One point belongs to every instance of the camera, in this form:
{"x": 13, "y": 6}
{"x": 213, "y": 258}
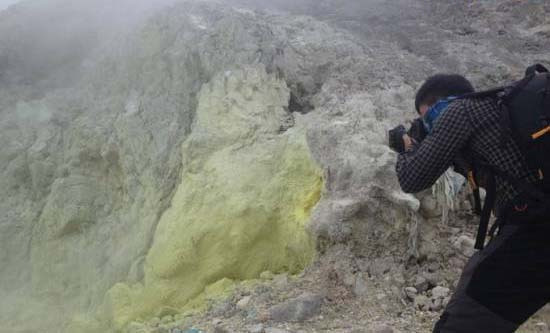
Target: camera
{"x": 417, "y": 132}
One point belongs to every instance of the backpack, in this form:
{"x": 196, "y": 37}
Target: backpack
{"x": 525, "y": 118}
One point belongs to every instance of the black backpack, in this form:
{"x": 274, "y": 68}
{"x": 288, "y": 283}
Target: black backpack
{"x": 525, "y": 117}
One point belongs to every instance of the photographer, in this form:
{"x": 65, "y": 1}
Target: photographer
{"x": 509, "y": 280}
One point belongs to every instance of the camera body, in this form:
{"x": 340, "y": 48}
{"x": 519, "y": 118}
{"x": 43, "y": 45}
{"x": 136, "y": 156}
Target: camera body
{"x": 417, "y": 132}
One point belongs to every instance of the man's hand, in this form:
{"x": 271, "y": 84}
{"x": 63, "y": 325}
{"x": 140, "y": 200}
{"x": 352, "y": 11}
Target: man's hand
{"x": 407, "y": 142}
{"x": 396, "y": 138}
{"x": 400, "y": 140}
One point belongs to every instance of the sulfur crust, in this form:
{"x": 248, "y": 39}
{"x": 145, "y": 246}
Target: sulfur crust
{"x": 240, "y": 209}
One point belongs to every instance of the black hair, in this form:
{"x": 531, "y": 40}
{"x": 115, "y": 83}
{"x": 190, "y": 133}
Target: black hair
{"x": 441, "y": 86}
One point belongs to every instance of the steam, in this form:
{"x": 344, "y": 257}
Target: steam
{"x": 44, "y": 43}
{"x": 5, "y": 3}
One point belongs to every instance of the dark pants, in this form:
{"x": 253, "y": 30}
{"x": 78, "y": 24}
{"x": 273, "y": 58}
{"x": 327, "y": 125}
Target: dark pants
{"x": 504, "y": 284}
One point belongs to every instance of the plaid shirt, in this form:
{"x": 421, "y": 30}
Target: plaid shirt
{"x": 469, "y": 129}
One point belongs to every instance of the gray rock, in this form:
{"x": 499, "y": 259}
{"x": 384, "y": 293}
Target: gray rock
{"x": 281, "y": 280}
{"x": 421, "y": 284}
{"x": 266, "y": 275}
{"x": 258, "y": 328}
{"x": 349, "y": 279}
{"x": 361, "y": 286}
{"x": 298, "y": 309}
{"x": 465, "y": 245}
{"x": 422, "y": 302}
{"x": 219, "y": 329}
{"x": 224, "y": 309}
{"x": 275, "y": 330}
{"x": 383, "y": 329}
{"x": 437, "y": 304}
{"x": 381, "y": 266}
{"x": 411, "y": 293}
{"x": 440, "y": 292}
{"x": 541, "y": 327}
{"x": 243, "y": 302}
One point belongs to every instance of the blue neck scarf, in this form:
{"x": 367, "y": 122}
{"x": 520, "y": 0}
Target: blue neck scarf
{"x": 435, "y": 111}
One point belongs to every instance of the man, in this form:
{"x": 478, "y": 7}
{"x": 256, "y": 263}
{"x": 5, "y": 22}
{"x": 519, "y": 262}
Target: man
{"x": 509, "y": 280}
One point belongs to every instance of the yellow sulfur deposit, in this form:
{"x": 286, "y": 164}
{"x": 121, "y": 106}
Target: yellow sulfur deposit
{"x": 246, "y": 193}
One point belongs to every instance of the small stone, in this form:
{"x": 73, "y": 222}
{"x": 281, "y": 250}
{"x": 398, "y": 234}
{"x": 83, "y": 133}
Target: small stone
{"x": 297, "y": 309}
{"x": 440, "y": 292}
{"x": 456, "y": 262}
{"x": 281, "y": 280}
{"x": 349, "y": 279}
{"x": 381, "y": 266}
{"x": 135, "y": 327}
{"x": 360, "y": 287}
{"x": 275, "y": 330}
{"x": 383, "y": 329}
{"x": 243, "y": 302}
{"x": 266, "y": 275}
{"x": 258, "y": 328}
{"x": 429, "y": 208}
{"x": 155, "y": 321}
{"x": 219, "y": 329}
{"x": 380, "y": 296}
{"x": 422, "y": 302}
{"x": 433, "y": 267}
{"x": 541, "y": 326}
{"x": 395, "y": 291}
{"x": 216, "y": 321}
{"x": 399, "y": 279}
{"x": 193, "y": 330}
{"x": 411, "y": 293}
{"x": 251, "y": 315}
{"x": 421, "y": 284}
{"x": 437, "y": 304}
{"x": 434, "y": 279}
{"x": 164, "y": 328}
{"x": 466, "y": 205}
{"x": 223, "y": 309}
{"x": 465, "y": 245}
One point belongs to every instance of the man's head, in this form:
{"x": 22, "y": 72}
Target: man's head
{"x": 440, "y": 86}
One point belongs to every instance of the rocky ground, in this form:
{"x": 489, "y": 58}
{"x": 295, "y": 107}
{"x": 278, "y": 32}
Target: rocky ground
{"x": 346, "y": 293}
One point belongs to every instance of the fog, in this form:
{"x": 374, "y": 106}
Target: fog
{"x": 45, "y": 43}
{"x": 6, "y": 3}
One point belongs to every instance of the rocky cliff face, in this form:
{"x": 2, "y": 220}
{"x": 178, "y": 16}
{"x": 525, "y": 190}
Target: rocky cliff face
{"x": 152, "y": 166}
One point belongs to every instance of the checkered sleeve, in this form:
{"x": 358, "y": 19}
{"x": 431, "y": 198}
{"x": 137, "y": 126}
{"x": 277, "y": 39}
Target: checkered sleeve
{"x": 420, "y": 167}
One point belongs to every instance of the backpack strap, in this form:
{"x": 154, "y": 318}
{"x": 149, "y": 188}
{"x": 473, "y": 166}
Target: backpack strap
{"x": 475, "y": 190}
{"x": 534, "y": 69}
{"x": 490, "y": 199}
{"x": 547, "y": 100}
{"x": 484, "y": 93}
